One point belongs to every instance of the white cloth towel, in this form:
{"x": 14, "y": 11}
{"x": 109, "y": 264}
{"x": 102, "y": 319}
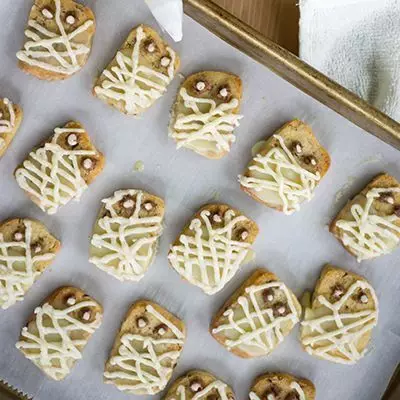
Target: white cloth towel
{"x": 356, "y": 43}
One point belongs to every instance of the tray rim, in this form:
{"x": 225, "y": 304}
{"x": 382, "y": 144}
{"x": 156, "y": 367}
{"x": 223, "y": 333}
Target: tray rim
{"x": 291, "y": 68}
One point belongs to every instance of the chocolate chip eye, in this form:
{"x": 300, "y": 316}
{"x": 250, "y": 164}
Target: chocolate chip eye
{"x": 196, "y": 385}
{"x": 268, "y": 295}
{"x": 72, "y": 140}
{"x": 142, "y": 322}
{"x": 297, "y": 148}
{"x": 280, "y": 309}
{"x": 70, "y": 300}
{"x": 338, "y": 291}
{"x": 18, "y": 236}
{"x": 202, "y": 86}
{"x": 148, "y": 206}
{"x": 85, "y": 314}
{"x": 310, "y": 160}
{"x": 88, "y": 164}
{"x": 244, "y": 234}
{"x": 165, "y": 61}
{"x": 387, "y": 197}
{"x": 217, "y": 218}
{"x": 161, "y": 329}
{"x": 36, "y": 248}
{"x": 150, "y": 46}
{"x": 224, "y": 93}
{"x": 128, "y": 203}
{"x": 70, "y": 19}
{"x": 47, "y": 13}
{"x": 362, "y": 297}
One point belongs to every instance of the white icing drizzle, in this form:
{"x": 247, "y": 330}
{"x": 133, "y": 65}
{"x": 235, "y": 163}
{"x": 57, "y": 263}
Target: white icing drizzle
{"x": 252, "y": 327}
{"x": 144, "y": 366}
{"x": 18, "y": 267}
{"x": 128, "y": 245}
{"x": 136, "y": 86}
{"x": 217, "y": 385}
{"x": 57, "y": 342}
{"x": 51, "y": 174}
{"x": 340, "y": 331}
{"x": 7, "y": 125}
{"x": 369, "y": 235}
{"x": 43, "y": 48}
{"x": 214, "y": 126}
{"x": 294, "y": 385}
{"x": 281, "y": 174}
{"x": 210, "y": 258}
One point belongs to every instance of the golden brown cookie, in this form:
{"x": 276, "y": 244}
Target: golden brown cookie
{"x": 206, "y": 112}
{"x": 146, "y": 349}
{"x": 10, "y": 120}
{"x": 279, "y": 386}
{"x": 129, "y": 219}
{"x": 140, "y": 72}
{"x": 58, "y": 39}
{"x": 27, "y": 249}
{"x": 213, "y": 246}
{"x": 56, "y": 334}
{"x": 257, "y": 317}
{"x": 369, "y": 224}
{"x": 199, "y": 385}
{"x": 339, "y": 317}
{"x": 60, "y": 169}
{"x": 287, "y": 168}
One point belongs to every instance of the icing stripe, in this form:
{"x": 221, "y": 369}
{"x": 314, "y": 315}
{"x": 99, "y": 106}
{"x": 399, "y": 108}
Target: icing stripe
{"x": 210, "y": 257}
{"x": 18, "y": 267}
{"x": 340, "y": 343}
{"x": 279, "y": 172}
{"x": 369, "y": 235}
{"x": 133, "y": 84}
{"x": 128, "y": 245}
{"x": 43, "y": 50}
{"x": 56, "y": 345}
{"x": 214, "y": 126}
{"x": 143, "y": 365}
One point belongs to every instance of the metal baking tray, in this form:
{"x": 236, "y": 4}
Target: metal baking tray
{"x": 294, "y": 70}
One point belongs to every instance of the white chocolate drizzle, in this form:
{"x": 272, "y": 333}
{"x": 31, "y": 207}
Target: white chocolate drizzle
{"x": 205, "y": 121}
{"x": 133, "y": 84}
{"x": 210, "y": 257}
{"x": 127, "y": 245}
{"x": 369, "y": 235}
{"x": 57, "y": 341}
{"x": 18, "y": 267}
{"x": 252, "y": 326}
{"x": 43, "y": 48}
{"x": 144, "y": 364}
{"x": 278, "y": 172}
{"x": 294, "y": 385}
{"x": 217, "y": 385}
{"x": 335, "y": 335}
{"x": 52, "y": 175}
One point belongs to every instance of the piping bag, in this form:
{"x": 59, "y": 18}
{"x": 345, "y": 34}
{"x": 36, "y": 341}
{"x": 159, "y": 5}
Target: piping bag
{"x": 169, "y": 15}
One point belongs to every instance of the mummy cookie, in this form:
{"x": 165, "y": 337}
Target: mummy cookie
{"x": 213, "y": 246}
{"x": 278, "y": 386}
{"x": 26, "y": 250}
{"x": 140, "y": 72}
{"x": 57, "y": 332}
{"x": 286, "y": 169}
{"x": 125, "y": 238}
{"x": 206, "y": 113}
{"x": 369, "y": 224}
{"x": 61, "y": 169}
{"x": 10, "y": 120}
{"x": 339, "y": 317}
{"x": 258, "y": 316}
{"x": 146, "y": 350}
{"x": 199, "y": 385}
{"x": 58, "y": 39}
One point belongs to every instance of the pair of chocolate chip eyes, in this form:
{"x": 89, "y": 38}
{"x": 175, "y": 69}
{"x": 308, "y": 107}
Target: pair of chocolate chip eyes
{"x": 36, "y": 247}
{"x": 161, "y": 329}
{"x": 297, "y": 148}
{"x": 87, "y": 163}
{"x": 69, "y": 19}
{"x": 338, "y": 291}
{"x": 151, "y": 47}
{"x": 85, "y": 314}
{"x": 128, "y": 203}
{"x": 244, "y": 234}
{"x": 202, "y": 86}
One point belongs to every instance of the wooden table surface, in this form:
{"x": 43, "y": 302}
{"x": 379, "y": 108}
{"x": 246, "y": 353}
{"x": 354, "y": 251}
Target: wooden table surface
{"x": 276, "y": 19}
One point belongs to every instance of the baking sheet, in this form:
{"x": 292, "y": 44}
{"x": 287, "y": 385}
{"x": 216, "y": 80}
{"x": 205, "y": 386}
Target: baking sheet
{"x": 294, "y": 247}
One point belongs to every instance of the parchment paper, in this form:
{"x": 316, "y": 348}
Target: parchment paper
{"x": 294, "y": 247}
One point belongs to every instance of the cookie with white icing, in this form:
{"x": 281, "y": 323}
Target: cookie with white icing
{"x": 280, "y": 386}
{"x": 287, "y": 168}
{"x": 206, "y": 113}
{"x": 369, "y": 224}
{"x": 60, "y": 169}
{"x": 339, "y": 317}
{"x": 126, "y": 234}
{"x": 58, "y": 39}
{"x": 56, "y": 334}
{"x": 27, "y": 248}
{"x": 10, "y": 120}
{"x": 199, "y": 385}
{"x": 257, "y": 317}
{"x": 146, "y": 350}
{"x": 140, "y": 72}
{"x": 213, "y": 246}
